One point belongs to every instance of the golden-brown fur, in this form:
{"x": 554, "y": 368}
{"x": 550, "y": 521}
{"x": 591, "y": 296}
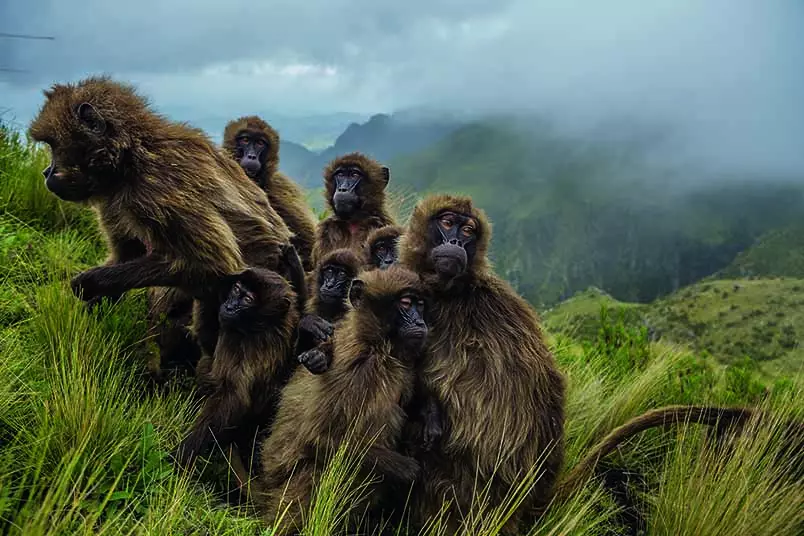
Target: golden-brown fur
{"x": 174, "y": 210}
{"x": 252, "y": 361}
{"x": 334, "y": 232}
{"x": 361, "y": 395}
{"x": 389, "y": 232}
{"x": 489, "y": 368}
{"x": 286, "y": 196}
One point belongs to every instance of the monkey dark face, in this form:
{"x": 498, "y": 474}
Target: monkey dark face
{"x": 346, "y": 199}
{"x": 384, "y": 253}
{"x": 453, "y": 242}
{"x": 81, "y": 157}
{"x": 410, "y": 326}
{"x": 333, "y": 284}
{"x": 239, "y": 303}
{"x": 251, "y": 149}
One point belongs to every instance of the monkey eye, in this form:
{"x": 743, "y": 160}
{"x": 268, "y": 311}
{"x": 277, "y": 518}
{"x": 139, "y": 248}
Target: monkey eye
{"x": 446, "y": 223}
{"x": 405, "y": 302}
{"x": 242, "y": 140}
{"x": 420, "y": 303}
{"x": 468, "y": 230}
{"x": 355, "y": 174}
{"x": 382, "y": 250}
{"x": 248, "y": 299}
{"x": 259, "y": 143}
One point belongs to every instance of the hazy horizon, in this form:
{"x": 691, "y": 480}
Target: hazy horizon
{"x": 723, "y": 77}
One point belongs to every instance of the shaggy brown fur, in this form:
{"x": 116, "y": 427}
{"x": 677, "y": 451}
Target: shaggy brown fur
{"x": 389, "y": 232}
{"x": 334, "y": 232}
{"x": 253, "y": 359}
{"x": 175, "y": 211}
{"x": 170, "y": 318}
{"x": 361, "y": 395}
{"x": 285, "y": 195}
{"x": 499, "y": 386}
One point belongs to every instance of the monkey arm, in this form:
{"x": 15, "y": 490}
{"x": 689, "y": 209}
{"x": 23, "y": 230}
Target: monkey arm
{"x": 392, "y": 464}
{"x": 147, "y": 271}
{"x": 317, "y": 359}
{"x": 295, "y": 275}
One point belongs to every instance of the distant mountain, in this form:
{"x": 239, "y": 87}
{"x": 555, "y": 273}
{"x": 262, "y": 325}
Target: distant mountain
{"x": 777, "y": 253}
{"x": 571, "y": 212}
{"x": 383, "y": 137}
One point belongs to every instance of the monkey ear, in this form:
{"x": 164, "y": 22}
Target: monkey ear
{"x": 356, "y": 292}
{"x": 91, "y": 117}
{"x": 386, "y": 175}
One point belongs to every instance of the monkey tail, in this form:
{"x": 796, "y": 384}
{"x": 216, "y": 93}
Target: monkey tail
{"x": 707, "y": 415}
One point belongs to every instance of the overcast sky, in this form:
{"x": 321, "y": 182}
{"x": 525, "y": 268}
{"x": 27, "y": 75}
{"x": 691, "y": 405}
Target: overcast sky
{"x": 728, "y": 73}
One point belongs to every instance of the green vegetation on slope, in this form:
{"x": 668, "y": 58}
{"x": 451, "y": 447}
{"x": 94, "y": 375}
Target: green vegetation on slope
{"x": 778, "y": 253}
{"x": 84, "y": 442}
{"x": 573, "y": 213}
{"x": 761, "y": 320}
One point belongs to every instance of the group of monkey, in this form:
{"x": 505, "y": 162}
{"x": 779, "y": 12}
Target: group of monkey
{"x": 304, "y": 335}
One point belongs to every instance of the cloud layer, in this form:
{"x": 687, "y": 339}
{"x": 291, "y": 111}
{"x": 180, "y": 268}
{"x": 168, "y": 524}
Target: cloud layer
{"x": 725, "y": 73}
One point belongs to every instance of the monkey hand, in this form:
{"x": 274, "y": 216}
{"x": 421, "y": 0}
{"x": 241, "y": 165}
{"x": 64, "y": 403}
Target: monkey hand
{"x": 314, "y": 360}
{"x": 320, "y": 329}
{"x": 88, "y": 286}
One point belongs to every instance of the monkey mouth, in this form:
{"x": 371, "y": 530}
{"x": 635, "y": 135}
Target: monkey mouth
{"x": 251, "y": 167}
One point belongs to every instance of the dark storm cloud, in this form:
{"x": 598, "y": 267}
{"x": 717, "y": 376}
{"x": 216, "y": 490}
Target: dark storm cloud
{"x": 725, "y": 74}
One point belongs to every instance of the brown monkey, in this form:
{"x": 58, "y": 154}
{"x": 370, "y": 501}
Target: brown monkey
{"x": 498, "y": 386}
{"x": 382, "y": 247}
{"x": 329, "y": 299}
{"x": 355, "y": 191}
{"x": 253, "y": 359}
{"x": 254, "y": 144}
{"x": 175, "y": 211}
{"x": 377, "y": 346}
{"x": 487, "y": 364}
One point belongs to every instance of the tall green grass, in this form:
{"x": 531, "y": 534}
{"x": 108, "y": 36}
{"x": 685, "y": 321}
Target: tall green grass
{"x": 84, "y": 437}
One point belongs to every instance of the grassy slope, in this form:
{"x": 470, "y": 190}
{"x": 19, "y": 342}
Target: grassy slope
{"x": 779, "y": 252}
{"x": 83, "y": 441}
{"x": 758, "y": 319}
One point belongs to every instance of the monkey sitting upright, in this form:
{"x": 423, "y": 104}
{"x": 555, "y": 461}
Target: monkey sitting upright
{"x": 382, "y": 248}
{"x": 253, "y": 358}
{"x": 355, "y": 191}
{"x": 254, "y": 144}
{"x": 362, "y": 395}
{"x": 329, "y": 299}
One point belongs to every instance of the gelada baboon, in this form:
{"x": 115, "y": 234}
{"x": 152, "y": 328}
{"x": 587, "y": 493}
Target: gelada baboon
{"x": 175, "y": 211}
{"x": 355, "y": 191}
{"x": 497, "y": 384}
{"x": 382, "y": 248}
{"x": 254, "y": 144}
{"x": 253, "y": 359}
{"x": 487, "y": 364}
{"x": 329, "y": 299}
{"x": 377, "y": 346}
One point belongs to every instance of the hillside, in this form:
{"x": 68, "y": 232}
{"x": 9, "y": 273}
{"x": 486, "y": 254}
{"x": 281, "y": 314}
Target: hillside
{"x": 777, "y": 253}
{"x": 760, "y": 319}
{"x": 573, "y": 212}
{"x": 85, "y": 436}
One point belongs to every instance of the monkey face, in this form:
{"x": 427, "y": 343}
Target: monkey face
{"x": 384, "y": 253}
{"x": 239, "y": 301}
{"x": 346, "y": 199}
{"x": 251, "y": 150}
{"x": 81, "y": 159}
{"x": 452, "y": 242}
{"x": 333, "y": 284}
{"x": 410, "y": 326}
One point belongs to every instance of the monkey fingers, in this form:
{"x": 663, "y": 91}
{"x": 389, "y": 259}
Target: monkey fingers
{"x": 432, "y": 430}
{"x": 320, "y": 329}
{"x": 316, "y": 361}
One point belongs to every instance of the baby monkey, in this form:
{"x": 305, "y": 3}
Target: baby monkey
{"x": 329, "y": 299}
{"x": 381, "y": 249}
{"x": 378, "y": 347}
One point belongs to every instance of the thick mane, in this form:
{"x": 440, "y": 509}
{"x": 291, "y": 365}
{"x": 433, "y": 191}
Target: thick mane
{"x": 413, "y": 244}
